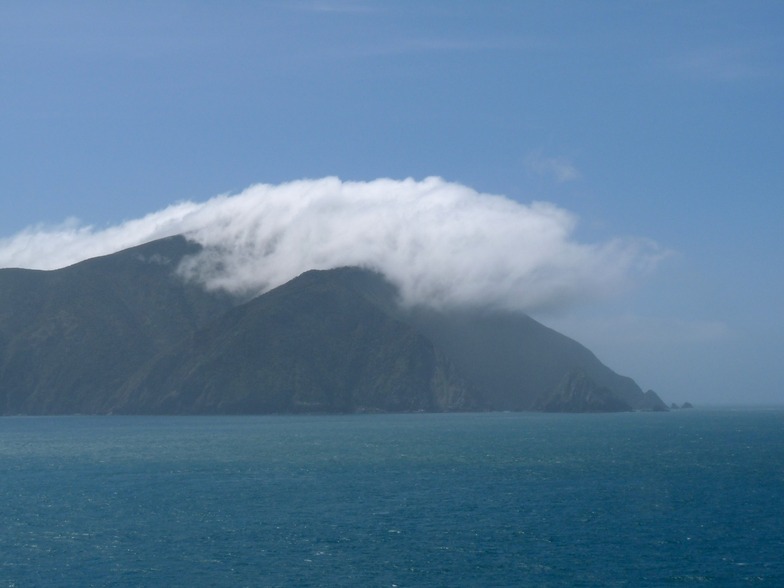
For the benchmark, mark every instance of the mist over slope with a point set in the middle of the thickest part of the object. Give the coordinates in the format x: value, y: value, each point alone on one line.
x: 441, y: 243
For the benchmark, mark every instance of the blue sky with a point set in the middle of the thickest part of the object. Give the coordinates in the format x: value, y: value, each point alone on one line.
x: 646, y: 120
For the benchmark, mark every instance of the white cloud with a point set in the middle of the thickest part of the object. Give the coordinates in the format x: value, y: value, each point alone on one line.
x: 51, y: 247
x: 559, y: 168
x: 442, y: 243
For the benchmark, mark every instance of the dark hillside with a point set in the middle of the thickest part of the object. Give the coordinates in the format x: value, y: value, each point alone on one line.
x: 515, y: 360
x: 124, y: 333
x: 69, y: 338
x: 324, y: 342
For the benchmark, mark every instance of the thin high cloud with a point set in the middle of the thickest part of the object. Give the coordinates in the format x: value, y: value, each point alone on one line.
x: 441, y: 243
x: 336, y: 7
x: 722, y: 64
x: 558, y: 168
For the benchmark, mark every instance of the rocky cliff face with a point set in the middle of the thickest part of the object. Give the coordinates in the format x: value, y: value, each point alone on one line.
x: 576, y: 392
x: 514, y: 360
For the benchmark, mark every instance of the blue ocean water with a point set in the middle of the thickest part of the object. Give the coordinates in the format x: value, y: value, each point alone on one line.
x: 494, y: 499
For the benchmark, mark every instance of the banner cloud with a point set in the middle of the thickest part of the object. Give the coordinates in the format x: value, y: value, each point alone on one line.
x: 441, y: 243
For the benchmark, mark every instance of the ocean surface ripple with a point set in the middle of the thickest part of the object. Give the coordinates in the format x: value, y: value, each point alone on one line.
x: 492, y: 499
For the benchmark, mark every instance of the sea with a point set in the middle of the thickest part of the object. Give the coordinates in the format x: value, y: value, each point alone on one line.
x: 689, y: 497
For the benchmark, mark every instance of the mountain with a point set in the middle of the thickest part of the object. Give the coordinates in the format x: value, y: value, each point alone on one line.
x: 320, y: 343
x: 577, y: 392
x: 518, y: 362
x: 125, y: 334
x: 69, y: 338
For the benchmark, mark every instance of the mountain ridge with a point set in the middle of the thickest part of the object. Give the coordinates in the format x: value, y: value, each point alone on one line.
x: 125, y: 333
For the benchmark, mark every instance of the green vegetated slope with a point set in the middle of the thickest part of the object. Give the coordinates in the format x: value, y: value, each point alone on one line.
x: 124, y: 333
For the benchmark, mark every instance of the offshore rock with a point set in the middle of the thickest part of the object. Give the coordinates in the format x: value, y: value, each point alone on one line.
x: 652, y: 402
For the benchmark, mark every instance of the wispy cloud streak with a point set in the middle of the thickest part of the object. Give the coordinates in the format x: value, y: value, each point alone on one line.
x: 722, y: 64
x: 559, y: 168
